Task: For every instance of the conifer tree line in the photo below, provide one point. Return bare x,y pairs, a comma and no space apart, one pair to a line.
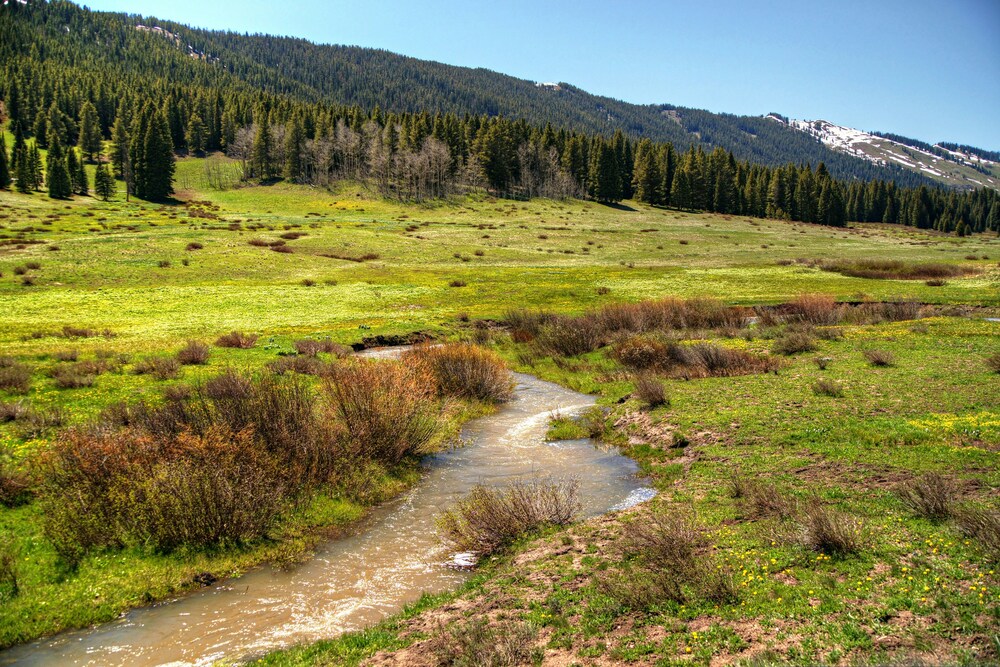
412,155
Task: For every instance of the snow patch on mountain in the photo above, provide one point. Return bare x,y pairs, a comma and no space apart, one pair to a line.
953,167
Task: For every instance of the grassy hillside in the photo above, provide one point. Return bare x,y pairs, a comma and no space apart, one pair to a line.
155,276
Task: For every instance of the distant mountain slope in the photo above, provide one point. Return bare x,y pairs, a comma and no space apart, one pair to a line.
148,52
950,164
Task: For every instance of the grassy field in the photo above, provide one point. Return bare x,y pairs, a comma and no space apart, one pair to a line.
154,276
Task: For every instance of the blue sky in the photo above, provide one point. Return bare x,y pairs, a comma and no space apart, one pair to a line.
921,68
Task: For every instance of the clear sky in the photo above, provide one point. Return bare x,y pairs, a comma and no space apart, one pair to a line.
928,69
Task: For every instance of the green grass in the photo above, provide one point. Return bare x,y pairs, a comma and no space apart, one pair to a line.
932,410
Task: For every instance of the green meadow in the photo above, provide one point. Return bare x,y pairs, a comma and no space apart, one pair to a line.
141,279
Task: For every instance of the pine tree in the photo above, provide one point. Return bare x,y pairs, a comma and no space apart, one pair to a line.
34,168
196,135
604,177
294,140
4,167
104,182
158,159
646,173
40,129
120,143
993,219
56,174
77,173
260,159
90,141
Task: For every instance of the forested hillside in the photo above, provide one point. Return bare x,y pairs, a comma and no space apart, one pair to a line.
65,52
75,79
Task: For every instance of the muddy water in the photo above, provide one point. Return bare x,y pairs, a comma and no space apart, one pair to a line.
356,581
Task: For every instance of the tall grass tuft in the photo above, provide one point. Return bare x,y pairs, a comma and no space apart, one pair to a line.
491,518
465,371
932,496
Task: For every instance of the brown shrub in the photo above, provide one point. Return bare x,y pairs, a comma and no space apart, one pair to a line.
640,352
73,376
194,246
480,643
818,309
570,337
526,324
121,488
491,518
831,388
760,500
237,339
386,409
304,365
829,531
465,371
932,496
194,353
650,390
794,342
286,249
983,525
993,362
896,269
10,412
67,355
15,487
311,347
880,358
457,283
162,368
15,377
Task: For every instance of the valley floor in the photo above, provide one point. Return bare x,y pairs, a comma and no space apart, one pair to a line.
286,262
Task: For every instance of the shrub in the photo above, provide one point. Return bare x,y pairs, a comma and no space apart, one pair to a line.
983,525
569,337
829,531
760,500
879,358
35,423
15,377
10,412
650,390
896,269
114,489
937,282
666,559
816,309
67,355
526,324
794,342
640,352
194,246
457,283
993,362
14,486
479,643
286,249
931,496
237,339
304,365
74,376
822,362
824,387
194,353
491,518
311,347
386,409
162,368
465,371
